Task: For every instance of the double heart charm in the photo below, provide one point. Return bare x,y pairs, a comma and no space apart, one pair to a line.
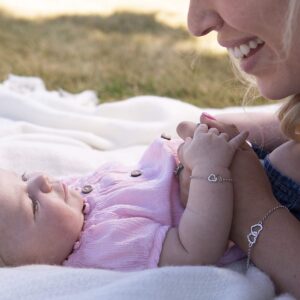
254,233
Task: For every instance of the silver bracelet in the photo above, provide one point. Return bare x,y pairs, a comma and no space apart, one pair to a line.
214,178
256,229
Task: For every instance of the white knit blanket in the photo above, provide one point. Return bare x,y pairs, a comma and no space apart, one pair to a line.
63,134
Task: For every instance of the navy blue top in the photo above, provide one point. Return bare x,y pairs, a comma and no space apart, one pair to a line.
285,189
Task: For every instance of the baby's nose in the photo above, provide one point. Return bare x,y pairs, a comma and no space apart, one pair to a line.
42,182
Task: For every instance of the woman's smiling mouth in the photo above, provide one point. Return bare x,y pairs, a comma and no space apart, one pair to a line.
246,50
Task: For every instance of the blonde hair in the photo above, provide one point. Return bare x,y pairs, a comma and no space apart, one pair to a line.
289,116
289,113
291,18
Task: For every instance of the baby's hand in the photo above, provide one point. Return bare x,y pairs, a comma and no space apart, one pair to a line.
210,148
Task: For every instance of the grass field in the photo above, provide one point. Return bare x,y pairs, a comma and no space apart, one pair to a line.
119,55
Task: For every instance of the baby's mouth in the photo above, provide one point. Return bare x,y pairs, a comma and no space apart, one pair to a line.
85,208
66,192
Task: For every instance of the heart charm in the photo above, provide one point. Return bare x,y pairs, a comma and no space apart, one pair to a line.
253,235
256,229
212,178
251,238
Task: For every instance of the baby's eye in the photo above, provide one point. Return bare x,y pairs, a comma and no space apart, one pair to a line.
35,206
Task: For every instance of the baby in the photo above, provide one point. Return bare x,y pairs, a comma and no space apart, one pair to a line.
126,219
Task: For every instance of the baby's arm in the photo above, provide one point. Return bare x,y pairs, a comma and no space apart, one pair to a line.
203,231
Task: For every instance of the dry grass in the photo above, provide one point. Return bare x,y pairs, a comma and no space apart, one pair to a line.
119,56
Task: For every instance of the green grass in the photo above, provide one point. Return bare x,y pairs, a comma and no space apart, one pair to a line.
119,56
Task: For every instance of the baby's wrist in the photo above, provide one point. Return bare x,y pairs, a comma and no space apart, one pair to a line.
214,175
201,170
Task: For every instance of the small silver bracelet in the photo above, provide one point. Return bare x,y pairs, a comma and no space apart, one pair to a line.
256,229
214,178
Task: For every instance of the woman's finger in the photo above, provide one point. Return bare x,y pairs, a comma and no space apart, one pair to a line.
212,123
186,129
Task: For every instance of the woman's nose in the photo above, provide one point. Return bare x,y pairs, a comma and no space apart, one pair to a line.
40,182
202,20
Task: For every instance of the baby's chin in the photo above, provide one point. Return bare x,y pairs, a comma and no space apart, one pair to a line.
75,200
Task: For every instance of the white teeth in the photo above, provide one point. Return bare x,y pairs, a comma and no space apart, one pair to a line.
237,53
259,41
252,44
244,49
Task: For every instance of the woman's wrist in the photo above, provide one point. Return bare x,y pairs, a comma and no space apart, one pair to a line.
256,229
241,225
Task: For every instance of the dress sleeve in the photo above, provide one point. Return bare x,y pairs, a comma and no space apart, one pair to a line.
123,244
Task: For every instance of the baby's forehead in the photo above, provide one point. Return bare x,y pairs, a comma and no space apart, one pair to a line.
8,177
9,183
5,171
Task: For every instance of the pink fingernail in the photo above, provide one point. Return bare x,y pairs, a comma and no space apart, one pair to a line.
208,116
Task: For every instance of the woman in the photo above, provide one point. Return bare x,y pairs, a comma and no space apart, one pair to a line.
261,36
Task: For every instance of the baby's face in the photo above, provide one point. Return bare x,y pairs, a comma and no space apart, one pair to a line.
40,219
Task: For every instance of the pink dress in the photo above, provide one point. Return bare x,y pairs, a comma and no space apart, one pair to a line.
130,211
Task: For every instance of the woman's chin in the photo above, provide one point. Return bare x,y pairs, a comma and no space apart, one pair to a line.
277,87
272,92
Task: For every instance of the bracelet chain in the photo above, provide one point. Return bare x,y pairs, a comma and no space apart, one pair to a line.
256,229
